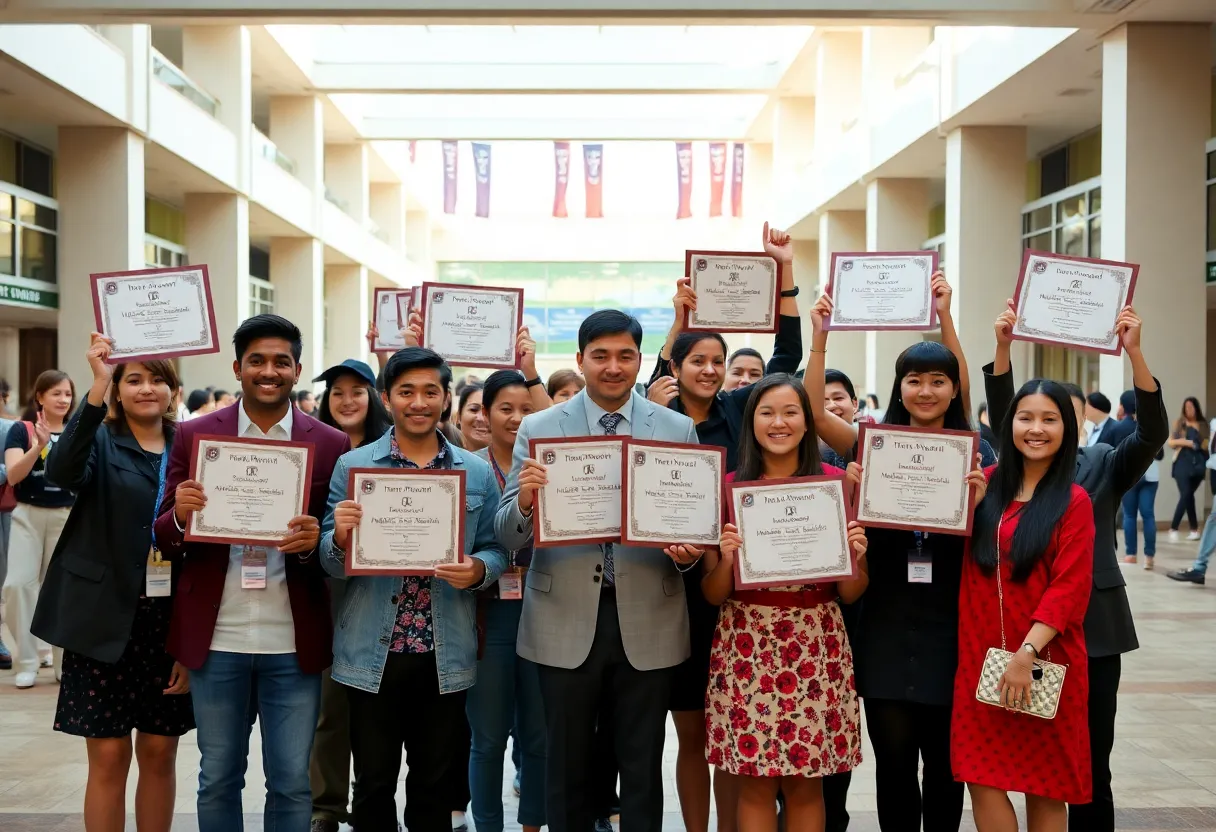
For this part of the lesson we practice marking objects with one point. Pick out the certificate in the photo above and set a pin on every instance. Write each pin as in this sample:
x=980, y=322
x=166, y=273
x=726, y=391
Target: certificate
x=582, y=502
x=391, y=311
x=254, y=488
x=155, y=313
x=737, y=291
x=1072, y=301
x=671, y=493
x=916, y=478
x=795, y=531
x=472, y=326
x=413, y=521
x=882, y=290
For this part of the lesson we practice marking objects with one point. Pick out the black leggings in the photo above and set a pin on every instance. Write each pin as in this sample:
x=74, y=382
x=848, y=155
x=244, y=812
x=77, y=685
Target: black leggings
x=1188, y=484
x=904, y=734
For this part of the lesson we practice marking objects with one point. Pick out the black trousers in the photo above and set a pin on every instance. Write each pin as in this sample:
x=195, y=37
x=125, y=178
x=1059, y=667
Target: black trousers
x=1099, y=816
x=410, y=713
x=637, y=702
x=604, y=800
x=904, y=734
x=835, y=801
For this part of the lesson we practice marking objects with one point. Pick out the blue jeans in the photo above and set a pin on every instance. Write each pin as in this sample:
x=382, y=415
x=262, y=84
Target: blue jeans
x=229, y=691
x=507, y=693
x=1140, y=499
x=1206, y=544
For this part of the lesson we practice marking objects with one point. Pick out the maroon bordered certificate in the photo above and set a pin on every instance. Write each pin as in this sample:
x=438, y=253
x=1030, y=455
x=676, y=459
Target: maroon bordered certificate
x=386, y=312
x=882, y=290
x=1072, y=301
x=582, y=502
x=472, y=326
x=916, y=478
x=155, y=313
x=737, y=291
x=795, y=531
x=413, y=520
x=671, y=493
x=254, y=488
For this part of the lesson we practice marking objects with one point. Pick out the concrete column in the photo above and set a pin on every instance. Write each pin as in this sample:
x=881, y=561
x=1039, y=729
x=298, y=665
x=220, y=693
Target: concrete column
x=838, y=90
x=897, y=219
x=219, y=59
x=135, y=42
x=985, y=191
x=843, y=231
x=217, y=234
x=297, y=127
x=1156, y=82
x=387, y=209
x=793, y=135
x=346, y=177
x=100, y=182
x=297, y=270
x=348, y=301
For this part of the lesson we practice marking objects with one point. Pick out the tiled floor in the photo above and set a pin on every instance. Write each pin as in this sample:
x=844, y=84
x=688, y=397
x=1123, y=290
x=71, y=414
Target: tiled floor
x=1164, y=762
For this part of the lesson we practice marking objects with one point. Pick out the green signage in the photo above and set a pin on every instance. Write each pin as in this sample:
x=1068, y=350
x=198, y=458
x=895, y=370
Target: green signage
x=12, y=293
x=1211, y=272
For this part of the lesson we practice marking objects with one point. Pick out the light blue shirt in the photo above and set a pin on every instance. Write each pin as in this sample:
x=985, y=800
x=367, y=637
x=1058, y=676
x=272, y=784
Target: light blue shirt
x=595, y=413
x=1096, y=432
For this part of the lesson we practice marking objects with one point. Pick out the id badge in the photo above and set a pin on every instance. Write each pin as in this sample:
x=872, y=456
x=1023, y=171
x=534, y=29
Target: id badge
x=920, y=567
x=253, y=568
x=511, y=586
x=158, y=581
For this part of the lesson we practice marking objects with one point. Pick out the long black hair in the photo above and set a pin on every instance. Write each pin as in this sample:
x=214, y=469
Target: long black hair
x=751, y=455
x=376, y=423
x=927, y=357
x=1038, y=518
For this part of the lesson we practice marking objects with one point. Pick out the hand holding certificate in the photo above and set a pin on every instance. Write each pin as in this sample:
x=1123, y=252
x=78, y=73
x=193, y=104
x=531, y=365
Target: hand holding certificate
x=1072, y=301
x=882, y=290
x=472, y=326
x=671, y=493
x=736, y=291
x=155, y=313
x=580, y=501
x=391, y=312
x=411, y=521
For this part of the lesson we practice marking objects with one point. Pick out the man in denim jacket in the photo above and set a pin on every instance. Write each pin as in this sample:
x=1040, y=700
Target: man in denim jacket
x=406, y=648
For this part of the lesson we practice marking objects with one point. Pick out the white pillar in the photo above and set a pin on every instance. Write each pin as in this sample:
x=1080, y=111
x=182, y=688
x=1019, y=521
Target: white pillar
x=793, y=135
x=347, y=297
x=838, y=90
x=843, y=231
x=135, y=42
x=387, y=209
x=297, y=270
x=100, y=183
x=297, y=127
x=217, y=234
x=219, y=58
x=346, y=176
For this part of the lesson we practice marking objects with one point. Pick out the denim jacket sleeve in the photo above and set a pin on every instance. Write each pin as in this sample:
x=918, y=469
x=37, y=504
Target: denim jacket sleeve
x=486, y=547
x=332, y=560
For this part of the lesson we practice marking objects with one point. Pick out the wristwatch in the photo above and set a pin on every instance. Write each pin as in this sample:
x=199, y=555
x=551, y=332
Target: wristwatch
x=790, y=293
x=1029, y=648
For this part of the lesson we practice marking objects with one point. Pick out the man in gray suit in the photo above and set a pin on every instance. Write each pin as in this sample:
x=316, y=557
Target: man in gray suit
x=606, y=624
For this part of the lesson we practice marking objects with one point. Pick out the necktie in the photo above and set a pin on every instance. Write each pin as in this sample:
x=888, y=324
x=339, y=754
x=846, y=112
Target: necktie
x=609, y=422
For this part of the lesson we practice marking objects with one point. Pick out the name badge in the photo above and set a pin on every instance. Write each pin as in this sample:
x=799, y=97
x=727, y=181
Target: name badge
x=511, y=586
x=253, y=568
x=158, y=580
x=920, y=567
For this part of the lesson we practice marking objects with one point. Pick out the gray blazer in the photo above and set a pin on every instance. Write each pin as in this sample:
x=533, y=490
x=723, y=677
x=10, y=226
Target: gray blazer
x=561, y=594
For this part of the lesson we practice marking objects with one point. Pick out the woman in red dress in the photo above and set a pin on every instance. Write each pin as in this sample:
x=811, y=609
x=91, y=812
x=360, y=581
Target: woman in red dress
x=1028, y=595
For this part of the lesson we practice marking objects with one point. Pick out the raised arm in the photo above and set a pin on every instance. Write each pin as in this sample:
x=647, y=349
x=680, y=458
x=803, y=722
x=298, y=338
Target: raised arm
x=1136, y=452
x=998, y=376
x=526, y=347
x=73, y=460
x=787, y=346
x=942, y=293
x=839, y=435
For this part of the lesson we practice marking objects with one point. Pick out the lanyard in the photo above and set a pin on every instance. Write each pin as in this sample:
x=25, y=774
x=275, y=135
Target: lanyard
x=921, y=537
x=160, y=490
x=502, y=480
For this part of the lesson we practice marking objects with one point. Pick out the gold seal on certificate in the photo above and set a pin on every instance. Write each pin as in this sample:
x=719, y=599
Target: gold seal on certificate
x=1072, y=301
x=391, y=311
x=472, y=326
x=582, y=502
x=882, y=290
x=155, y=313
x=672, y=493
x=916, y=478
x=795, y=531
x=254, y=488
x=737, y=291
x=413, y=521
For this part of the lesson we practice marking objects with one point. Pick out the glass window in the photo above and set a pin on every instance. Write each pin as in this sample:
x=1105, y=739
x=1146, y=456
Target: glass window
x=1212, y=165
x=1095, y=237
x=1095, y=200
x=1212, y=216
x=7, y=255
x=1070, y=209
x=6, y=207
x=30, y=213
x=1038, y=219
x=1070, y=240
x=38, y=255
x=36, y=171
x=1039, y=242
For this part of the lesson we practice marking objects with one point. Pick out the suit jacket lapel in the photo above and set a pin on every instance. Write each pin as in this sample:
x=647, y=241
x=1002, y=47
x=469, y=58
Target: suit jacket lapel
x=574, y=416
x=301, y=426
x=643, y=417
x=1083, y=467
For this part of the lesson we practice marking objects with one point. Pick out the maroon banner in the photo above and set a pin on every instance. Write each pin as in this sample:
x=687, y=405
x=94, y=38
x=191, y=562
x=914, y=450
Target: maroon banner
x=413, y=151
x=481, y=171
x=451, y=156
x=717, y=177
x=593, y=173
x=684, y=179
x=736, y=182
x=561, y=177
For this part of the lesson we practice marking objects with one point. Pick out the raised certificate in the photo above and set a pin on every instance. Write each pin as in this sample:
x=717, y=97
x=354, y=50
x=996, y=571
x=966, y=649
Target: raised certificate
x=1072, y=301
x=472, y=326
x=671, y=493
x=795, y=531
x=582, y=502
x=916, y=478
x=737, y=291
x=388, y=306
x=413, y=521
x=882, y=290
x=155, y=313
x=254, y=488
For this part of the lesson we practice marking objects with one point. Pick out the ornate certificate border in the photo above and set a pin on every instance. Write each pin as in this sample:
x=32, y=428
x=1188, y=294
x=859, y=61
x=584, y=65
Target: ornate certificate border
x=204, y=341
x=452, y=483
x=545, y=532
x=434, y=293
x=396, y=295
x=696, y=262
x=925, y=319
x=636, y=452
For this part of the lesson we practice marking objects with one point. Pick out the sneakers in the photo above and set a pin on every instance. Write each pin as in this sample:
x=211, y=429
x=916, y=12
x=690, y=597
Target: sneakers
x=6, y=658
x=1193, y=536
x=45, y=660
x=1148, y=563
x=1189, y=576
x=1129, y=559
x=460, y=822
x=1173, y=535
x=25, y=680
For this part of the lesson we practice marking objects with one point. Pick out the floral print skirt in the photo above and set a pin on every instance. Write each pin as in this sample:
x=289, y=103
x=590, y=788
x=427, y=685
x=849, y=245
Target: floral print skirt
x=782, y=700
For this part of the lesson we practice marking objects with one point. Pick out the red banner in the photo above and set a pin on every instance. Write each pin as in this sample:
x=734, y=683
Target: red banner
x=593, y=173
x=481, y=171
x=736, y=182
x=413, y=151
x=451, y=157
x=561, y=177
x=717, y=177
x=684, y=179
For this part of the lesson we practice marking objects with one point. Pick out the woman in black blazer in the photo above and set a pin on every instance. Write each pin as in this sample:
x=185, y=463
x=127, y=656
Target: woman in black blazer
x=106, y=604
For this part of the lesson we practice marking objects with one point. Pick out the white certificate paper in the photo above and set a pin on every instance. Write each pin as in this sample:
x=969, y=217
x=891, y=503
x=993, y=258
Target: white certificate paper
x=389, y=318
x=891, y=290
x=412, y=521
x=673, y=494
x=582, y=502
x=472, y=326
x=916, y=479
x=155, y=313
x=795, y=531
x=736, y=291
x=254, y=489
x=1072, y=301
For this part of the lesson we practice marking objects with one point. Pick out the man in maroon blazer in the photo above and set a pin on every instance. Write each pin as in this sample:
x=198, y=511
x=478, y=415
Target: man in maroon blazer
x=251, y=623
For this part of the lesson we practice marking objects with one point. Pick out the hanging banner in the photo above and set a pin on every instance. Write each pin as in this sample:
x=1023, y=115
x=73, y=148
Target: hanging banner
x=561, y=177
x=736, y=182
x=450, y=158
x=717, y=177
x=481, y=170
x=593, y=173
x=413, y=151
x=684, y=179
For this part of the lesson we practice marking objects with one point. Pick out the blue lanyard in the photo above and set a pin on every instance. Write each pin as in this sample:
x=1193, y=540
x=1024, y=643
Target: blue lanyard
x=160, y=490
x=921, y=537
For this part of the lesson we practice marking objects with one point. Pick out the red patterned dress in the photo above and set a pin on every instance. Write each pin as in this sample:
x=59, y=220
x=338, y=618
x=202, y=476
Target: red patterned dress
x=990, y=746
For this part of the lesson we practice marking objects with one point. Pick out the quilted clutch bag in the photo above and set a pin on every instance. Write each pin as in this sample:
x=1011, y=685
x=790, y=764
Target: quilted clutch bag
x=1044, y=692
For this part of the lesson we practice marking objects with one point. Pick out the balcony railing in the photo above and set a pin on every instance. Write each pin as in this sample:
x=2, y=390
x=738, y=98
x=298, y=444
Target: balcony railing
x=164, y=71
x=264, y=147
x=341, y=204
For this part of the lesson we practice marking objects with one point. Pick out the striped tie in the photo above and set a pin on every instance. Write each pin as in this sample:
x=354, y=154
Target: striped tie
x=609, y=422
